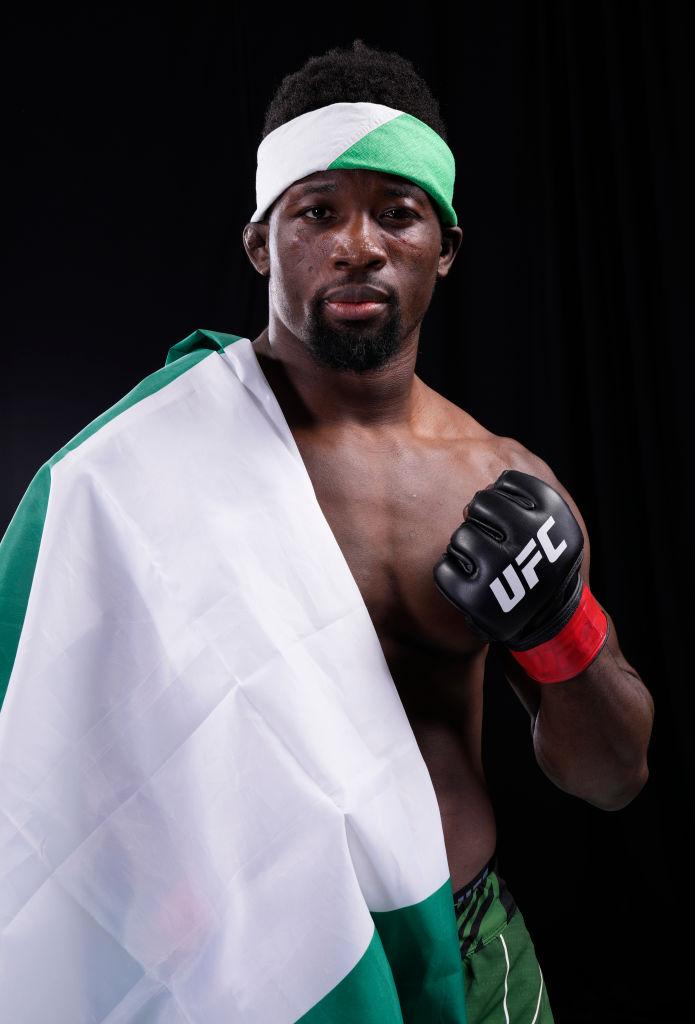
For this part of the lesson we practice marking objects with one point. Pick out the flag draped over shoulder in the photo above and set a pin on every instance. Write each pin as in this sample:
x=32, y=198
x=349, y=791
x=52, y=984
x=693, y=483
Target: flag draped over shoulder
x=212, y=805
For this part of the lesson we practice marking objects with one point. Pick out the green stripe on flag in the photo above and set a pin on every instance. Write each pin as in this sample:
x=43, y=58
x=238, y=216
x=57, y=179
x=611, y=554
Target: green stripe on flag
x=19, y=549
x=181, y=357
x=422, y=947
x=367, y=994
x=411, y=971
x=409, y=148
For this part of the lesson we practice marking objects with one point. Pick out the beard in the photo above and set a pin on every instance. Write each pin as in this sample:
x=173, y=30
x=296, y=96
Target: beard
x=357, y=347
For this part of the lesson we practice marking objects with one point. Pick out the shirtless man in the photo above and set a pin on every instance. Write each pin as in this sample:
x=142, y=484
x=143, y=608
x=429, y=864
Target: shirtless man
x=210, y=792
x=352, y=257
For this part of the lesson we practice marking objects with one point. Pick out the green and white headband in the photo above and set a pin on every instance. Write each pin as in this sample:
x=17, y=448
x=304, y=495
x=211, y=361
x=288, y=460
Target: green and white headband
x=350, y=136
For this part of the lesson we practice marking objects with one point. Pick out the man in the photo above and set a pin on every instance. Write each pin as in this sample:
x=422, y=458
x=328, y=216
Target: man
x=233, y=679
x=352, y=258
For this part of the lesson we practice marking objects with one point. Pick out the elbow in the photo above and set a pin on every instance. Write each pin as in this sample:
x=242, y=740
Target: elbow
x=609, y=788
x=619, y=795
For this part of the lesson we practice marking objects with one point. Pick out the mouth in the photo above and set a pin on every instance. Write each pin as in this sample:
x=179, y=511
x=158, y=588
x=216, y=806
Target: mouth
x=354, y=310
x=355, y=302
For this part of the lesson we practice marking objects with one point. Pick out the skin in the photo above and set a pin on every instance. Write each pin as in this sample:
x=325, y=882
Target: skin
x=393, y=464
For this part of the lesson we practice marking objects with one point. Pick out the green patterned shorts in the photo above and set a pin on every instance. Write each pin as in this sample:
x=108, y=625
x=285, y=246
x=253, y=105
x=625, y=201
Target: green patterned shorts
x=502, y=977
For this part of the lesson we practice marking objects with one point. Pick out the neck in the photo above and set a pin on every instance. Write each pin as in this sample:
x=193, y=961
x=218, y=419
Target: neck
x=313, y=396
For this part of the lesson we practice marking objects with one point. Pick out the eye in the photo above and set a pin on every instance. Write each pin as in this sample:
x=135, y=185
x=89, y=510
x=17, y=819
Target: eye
x=314, y=209
x=400, y=213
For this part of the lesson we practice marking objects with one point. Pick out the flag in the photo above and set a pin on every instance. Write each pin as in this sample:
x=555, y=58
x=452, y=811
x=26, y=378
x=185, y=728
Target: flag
x=212, y=805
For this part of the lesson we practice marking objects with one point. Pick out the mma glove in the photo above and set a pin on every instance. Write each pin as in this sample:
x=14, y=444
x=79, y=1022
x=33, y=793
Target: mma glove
x=512, y=569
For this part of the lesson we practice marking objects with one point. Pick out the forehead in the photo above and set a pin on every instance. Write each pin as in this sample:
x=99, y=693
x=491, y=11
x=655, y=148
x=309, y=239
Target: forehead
x=354, y=181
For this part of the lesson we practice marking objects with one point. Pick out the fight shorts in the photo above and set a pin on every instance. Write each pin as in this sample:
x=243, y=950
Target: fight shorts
x=502, y=976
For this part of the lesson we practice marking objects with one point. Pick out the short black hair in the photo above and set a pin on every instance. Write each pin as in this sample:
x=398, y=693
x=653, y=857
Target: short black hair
x=357, y=75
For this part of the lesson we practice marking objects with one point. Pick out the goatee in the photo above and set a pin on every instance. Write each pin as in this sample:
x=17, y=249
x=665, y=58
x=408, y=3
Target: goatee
x=356, y=348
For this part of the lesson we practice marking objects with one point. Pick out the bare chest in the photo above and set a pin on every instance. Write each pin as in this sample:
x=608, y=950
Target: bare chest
x=392, y=509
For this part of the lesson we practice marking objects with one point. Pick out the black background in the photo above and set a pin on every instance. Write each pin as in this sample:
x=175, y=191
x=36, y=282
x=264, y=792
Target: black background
x=131, y=148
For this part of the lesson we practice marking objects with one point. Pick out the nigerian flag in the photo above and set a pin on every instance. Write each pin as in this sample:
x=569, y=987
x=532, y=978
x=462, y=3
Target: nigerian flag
x=212, y=806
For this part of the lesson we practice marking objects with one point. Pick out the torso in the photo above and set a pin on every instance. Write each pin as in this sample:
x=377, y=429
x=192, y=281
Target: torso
x=392, y=502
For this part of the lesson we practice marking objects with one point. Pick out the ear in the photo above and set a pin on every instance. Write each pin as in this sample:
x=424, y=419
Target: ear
x=451, y=242
x=255, y=238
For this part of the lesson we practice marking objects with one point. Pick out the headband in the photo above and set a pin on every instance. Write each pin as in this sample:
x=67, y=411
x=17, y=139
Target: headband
x=351, y=136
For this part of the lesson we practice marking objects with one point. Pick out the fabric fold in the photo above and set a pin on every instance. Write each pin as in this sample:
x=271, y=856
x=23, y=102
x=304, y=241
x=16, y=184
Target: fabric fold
x=209, y=789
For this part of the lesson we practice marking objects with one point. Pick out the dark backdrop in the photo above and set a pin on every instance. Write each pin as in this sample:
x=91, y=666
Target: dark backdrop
x=132, y=139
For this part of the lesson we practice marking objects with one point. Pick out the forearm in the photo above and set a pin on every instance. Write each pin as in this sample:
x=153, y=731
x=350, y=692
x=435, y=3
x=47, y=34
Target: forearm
x=591, y=733
x=518, y=568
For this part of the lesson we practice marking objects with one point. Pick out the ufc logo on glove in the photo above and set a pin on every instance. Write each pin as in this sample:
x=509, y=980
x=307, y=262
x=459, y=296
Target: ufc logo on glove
x=558, y=628
x=528, y=571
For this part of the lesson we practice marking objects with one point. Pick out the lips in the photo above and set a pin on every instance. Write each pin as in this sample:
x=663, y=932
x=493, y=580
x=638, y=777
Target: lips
x=355, y=302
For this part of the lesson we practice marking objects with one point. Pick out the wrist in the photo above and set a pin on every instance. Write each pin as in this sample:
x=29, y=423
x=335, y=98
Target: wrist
x=572, y=649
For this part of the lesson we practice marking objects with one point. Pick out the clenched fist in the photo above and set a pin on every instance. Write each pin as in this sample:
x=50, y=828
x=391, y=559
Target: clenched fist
x=512, y=569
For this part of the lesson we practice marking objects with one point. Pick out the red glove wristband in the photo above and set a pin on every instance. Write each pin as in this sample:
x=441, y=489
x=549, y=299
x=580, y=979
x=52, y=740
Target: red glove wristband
x=573, y=649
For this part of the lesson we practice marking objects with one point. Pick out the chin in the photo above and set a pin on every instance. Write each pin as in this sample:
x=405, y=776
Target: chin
x=353, y=348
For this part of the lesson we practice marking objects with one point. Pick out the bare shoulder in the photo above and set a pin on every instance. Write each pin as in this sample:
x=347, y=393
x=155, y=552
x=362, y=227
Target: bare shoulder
x=456, y=426
x=520, y=458
x=492, y=453
x=525, y=461
x=449, y=422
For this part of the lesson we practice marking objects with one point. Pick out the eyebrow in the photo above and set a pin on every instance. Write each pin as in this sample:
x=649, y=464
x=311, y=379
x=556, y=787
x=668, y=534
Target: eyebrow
x=403, y=191
x=312, y=189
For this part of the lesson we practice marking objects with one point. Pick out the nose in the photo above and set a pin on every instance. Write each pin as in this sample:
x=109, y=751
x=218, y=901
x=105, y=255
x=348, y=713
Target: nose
x=357, y=243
